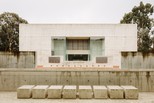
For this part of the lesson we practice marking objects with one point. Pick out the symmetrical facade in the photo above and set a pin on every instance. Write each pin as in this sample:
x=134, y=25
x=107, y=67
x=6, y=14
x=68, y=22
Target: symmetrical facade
x=78, y=44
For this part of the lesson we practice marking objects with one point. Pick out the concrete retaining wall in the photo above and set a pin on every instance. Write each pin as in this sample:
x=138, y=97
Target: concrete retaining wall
x=19, y=60
x=137, y=60
x=11, y=79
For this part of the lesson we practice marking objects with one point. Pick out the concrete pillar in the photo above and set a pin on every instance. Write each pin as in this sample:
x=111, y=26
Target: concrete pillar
x=24, y=91
x=100, y=92
x=85, y=92
x=39, y=92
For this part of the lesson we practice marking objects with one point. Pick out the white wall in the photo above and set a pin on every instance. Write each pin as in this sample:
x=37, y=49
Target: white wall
x=118, y=37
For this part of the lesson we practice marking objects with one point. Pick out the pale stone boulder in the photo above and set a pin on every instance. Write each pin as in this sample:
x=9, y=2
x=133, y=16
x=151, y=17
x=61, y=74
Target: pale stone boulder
x=115, y=92
x=85, y=92
x=25, y=91
x=100, y=92
x=69, y=92
x=130, y=92
x=39, y=92
x=55, y=91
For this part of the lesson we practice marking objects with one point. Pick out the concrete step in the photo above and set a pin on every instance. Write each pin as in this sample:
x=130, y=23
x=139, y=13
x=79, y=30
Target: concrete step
x=100, y=92
x=69, y=92
x=55, y=92
x=25, y=91
x=115, y=92
x=85, y=92
x=39, y=92
x=130, y=92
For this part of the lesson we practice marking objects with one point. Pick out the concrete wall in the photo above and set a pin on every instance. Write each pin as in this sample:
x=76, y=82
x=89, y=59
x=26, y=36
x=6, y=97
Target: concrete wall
x=137, y=60
x=118, y=37
x=11, y=79
x=19, y=60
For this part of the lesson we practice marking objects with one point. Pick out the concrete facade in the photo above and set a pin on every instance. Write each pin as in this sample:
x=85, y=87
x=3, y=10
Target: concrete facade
x=116, y=38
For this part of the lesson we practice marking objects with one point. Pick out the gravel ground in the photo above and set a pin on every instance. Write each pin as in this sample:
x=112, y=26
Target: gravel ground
x=10, y=97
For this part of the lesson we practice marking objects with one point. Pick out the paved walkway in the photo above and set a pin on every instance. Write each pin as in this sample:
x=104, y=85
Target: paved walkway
x=10, y=97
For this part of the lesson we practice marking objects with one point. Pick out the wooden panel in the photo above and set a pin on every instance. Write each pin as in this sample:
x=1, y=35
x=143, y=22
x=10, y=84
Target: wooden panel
x=54, y=59
x=101, y=59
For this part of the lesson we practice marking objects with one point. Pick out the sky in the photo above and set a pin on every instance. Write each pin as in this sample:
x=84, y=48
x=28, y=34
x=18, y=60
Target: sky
x=70, y=11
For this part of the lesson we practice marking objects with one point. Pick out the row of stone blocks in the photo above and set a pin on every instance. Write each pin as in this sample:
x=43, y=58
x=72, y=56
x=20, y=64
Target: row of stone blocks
x=72, y=92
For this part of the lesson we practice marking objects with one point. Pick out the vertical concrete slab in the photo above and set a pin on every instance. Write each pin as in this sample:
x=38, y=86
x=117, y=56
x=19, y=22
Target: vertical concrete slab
x=115, y=92
x=100, y=92
x=39, y=92
x=130, y=92
x=85, y=92
x=54, y=91
x=69, y=92
x=25, y=91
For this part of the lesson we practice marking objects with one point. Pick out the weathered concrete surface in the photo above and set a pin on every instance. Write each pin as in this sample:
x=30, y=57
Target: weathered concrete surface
x=25, y=91
x=142, y=79
x=85, y=92
x=18, y=60
x=130, y=92
x=115, y=92
x=100, y=92
x=137, y=60
x=39, y=92
x=69, y=92
x=55, y=91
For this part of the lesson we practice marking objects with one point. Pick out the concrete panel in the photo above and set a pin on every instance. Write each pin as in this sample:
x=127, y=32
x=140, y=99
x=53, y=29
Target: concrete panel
x=55, y=91
x=25, y=91
x=39, y=92
x=115, y=92
x=100, y=92
x=69, y=92
x=130, y=92
x=85, y=92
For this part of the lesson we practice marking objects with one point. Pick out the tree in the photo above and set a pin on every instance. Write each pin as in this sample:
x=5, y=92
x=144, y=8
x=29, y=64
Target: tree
x=9, y=31
x=140, y=15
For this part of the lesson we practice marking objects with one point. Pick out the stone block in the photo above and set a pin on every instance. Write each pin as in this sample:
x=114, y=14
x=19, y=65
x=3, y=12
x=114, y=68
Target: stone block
x=115, y=92
x=39, y=92
x=130, y=92
x=69, y=92
x=25, y=91
x=85, y=92
x=55, y=91
x=100, y=92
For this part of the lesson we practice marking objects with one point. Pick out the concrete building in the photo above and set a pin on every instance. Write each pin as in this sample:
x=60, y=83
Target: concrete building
x=78, y=45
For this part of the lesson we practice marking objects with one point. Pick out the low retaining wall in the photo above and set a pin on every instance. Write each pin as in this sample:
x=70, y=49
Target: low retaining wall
x=137, y=60
x=18, y=60
x=11, y=79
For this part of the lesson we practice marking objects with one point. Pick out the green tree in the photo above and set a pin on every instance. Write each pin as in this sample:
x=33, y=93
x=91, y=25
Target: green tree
x=140, y=15
x=9, y=31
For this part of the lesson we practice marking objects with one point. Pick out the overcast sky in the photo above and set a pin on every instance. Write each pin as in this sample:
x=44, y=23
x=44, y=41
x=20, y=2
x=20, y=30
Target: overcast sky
x=70, y=11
